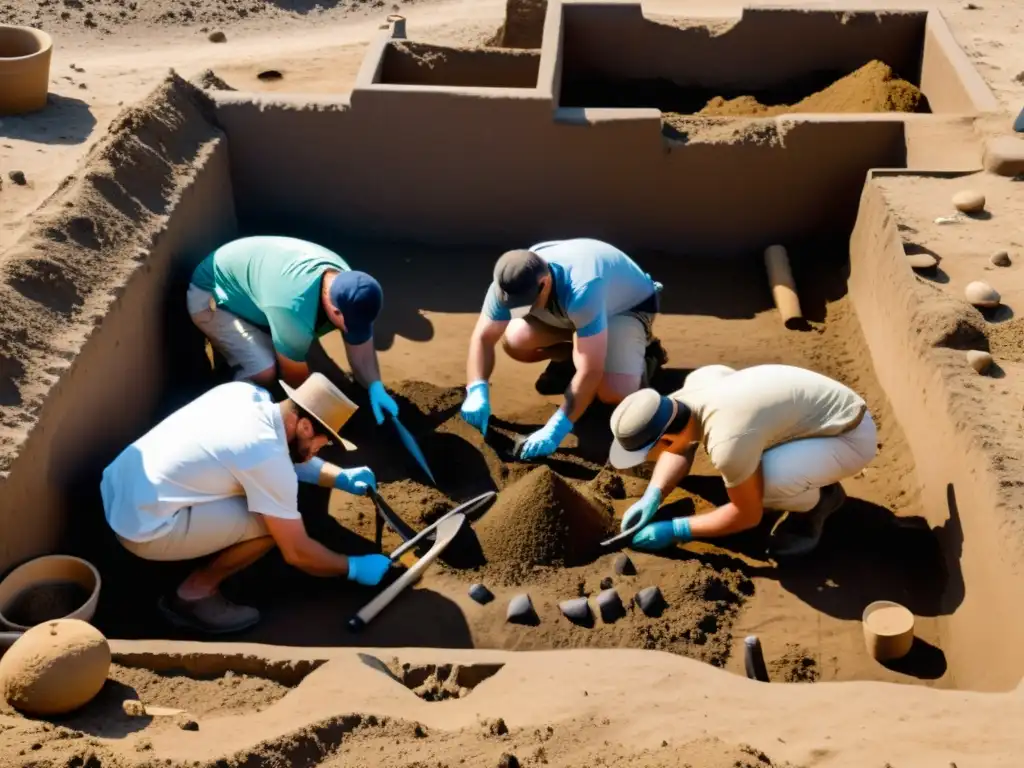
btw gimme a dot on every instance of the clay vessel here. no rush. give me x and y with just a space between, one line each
888 630
51 569
24 69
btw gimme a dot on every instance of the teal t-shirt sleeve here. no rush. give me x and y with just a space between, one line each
587 310
290 338
202 275
493 308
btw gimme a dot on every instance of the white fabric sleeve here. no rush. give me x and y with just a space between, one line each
272 488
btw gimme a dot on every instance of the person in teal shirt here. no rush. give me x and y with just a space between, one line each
261 301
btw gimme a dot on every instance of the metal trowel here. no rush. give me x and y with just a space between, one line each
412 447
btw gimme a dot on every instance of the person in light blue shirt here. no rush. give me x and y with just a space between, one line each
261 301
582 304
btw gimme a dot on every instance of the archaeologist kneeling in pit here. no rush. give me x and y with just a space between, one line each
584 305
262 300
782 437
220 477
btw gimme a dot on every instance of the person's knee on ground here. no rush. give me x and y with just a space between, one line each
525 342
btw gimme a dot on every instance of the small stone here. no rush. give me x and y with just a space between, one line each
481 594
520 610
497 727
651 601
610 605
969 6
508 761
187 724
1004 155
577 611
921 261
133 708
981 294
969 201
979 361
606 583
18 177
217 37
419 732
1000 259
624 566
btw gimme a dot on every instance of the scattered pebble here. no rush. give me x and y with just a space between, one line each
624 566
188 724
610 605
921 261
1000 259
969 201
968 6
496 727
577 611
520 610
979 361
508 761
217 37
606 583
481 594
18 177
981 294
651 601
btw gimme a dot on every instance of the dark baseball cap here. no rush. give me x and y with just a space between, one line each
517 275
638 422
359 298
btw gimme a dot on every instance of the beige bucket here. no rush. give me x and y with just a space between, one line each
24 69
888 630
51 569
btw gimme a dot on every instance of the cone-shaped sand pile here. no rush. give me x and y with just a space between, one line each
542 520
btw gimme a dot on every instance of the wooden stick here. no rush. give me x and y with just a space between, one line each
467 509
445 534
780 278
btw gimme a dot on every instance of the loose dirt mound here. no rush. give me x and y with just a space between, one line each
541 520
46 602
872 88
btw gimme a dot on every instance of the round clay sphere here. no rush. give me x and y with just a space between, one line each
55 668
969 201
981 294
978 360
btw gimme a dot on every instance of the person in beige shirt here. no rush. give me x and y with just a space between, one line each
782 438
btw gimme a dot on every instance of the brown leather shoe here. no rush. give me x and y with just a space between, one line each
214 615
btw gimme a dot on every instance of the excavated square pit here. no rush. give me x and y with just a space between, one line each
424 184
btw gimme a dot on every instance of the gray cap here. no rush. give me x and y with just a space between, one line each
638 422
517 275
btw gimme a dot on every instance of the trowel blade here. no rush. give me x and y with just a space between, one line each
413 447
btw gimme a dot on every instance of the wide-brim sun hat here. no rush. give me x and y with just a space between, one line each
637 423
318 397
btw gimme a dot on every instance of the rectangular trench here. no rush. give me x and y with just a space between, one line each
289 167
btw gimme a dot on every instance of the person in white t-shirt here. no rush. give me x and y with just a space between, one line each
220 477
782 438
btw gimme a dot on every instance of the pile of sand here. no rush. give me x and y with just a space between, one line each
541 520
872 88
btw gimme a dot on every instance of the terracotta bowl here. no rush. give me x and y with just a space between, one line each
24 69
888 630
51 569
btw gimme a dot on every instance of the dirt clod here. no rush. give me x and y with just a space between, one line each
18 177
217 37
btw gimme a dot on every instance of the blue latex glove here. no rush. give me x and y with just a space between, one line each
368 570
356 480
476 409
546 440
642 511
381 401
661 535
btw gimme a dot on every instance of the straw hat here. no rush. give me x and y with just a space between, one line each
324 402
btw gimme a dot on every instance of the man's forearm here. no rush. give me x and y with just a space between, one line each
363 360
581 392
480 362
671 469
724 521
315 559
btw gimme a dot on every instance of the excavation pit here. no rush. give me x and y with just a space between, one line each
98 285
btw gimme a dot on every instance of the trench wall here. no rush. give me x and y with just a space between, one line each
94 329
411 63
916 335
419 167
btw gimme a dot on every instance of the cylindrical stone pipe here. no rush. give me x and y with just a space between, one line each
780 278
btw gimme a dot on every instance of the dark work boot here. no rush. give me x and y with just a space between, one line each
214 615
655 358
556 377
802 530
